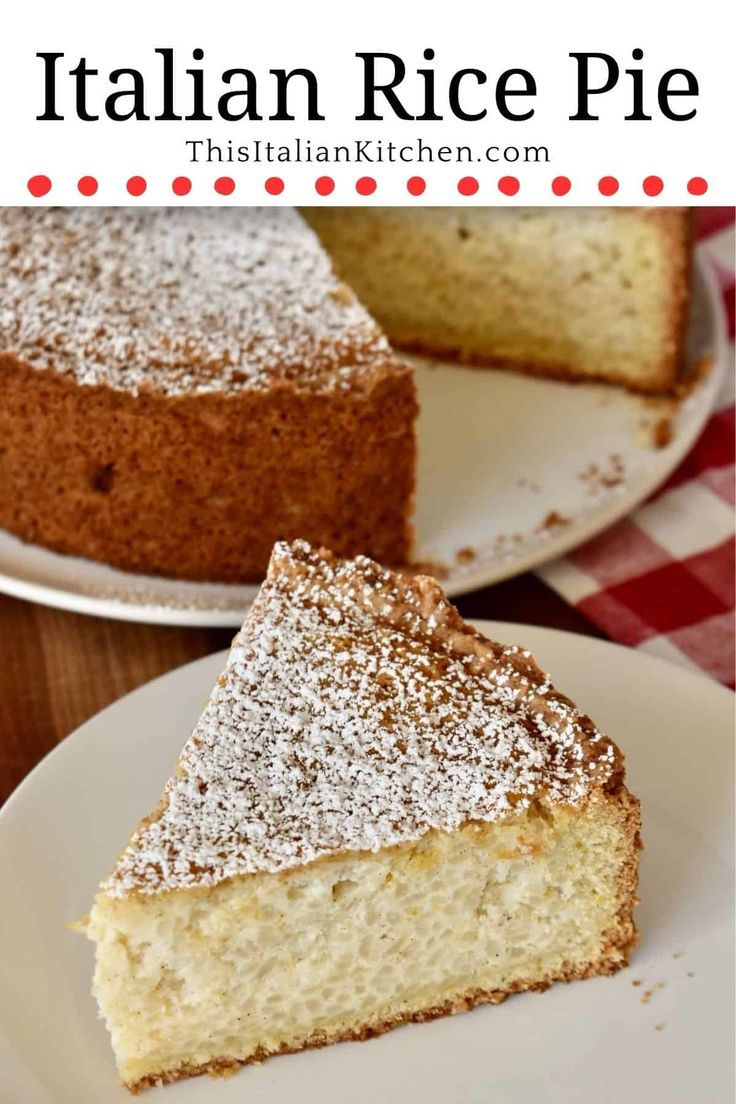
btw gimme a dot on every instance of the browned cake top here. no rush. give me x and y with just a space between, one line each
180 300
357 711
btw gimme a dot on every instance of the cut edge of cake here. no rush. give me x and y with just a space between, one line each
536 354
621 940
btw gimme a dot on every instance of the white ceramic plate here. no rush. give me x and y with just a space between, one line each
513 471
601 1040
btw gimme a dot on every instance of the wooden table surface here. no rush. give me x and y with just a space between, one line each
57 669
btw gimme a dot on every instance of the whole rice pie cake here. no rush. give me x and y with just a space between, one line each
381 816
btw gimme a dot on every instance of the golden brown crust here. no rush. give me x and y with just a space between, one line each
624 936
200 486
678 224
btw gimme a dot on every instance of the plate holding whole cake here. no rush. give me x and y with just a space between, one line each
380 817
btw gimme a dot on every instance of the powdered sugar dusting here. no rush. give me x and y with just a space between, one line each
179 300
357 711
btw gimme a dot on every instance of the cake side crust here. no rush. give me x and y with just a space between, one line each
678 233
200 486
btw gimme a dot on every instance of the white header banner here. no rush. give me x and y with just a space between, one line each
396 103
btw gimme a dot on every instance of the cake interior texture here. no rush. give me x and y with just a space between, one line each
574 292
349 947
381 816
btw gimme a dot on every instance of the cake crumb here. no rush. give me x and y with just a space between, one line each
659 1027
637 982
601 477
691 973
466 555
649 993
553 520
678 954
663 432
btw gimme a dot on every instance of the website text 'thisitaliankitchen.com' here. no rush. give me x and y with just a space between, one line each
366 151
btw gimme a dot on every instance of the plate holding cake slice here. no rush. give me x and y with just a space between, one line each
381 816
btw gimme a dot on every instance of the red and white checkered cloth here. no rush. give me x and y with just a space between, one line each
662 579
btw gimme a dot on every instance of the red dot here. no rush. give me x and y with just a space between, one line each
608 185
274 185
467 186
508 185
87 185
561 185
365 186
696 185
136 185
39 185
224 185
415 185
181 185
652 185
324 185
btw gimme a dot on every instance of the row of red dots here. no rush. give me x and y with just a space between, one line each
366 185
